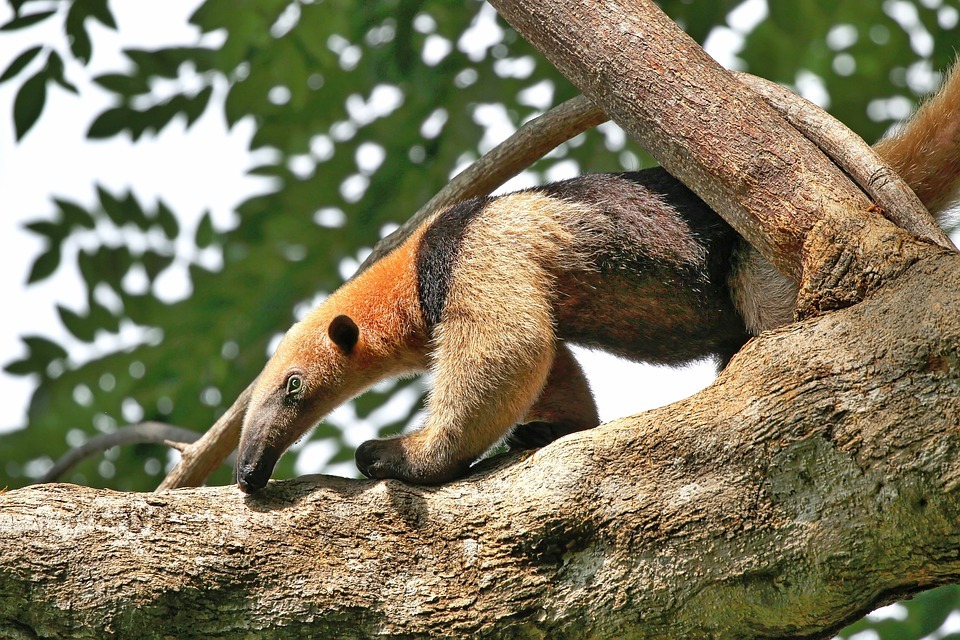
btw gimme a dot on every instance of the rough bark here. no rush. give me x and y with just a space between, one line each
816 479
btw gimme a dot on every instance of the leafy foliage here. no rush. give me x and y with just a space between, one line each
366 109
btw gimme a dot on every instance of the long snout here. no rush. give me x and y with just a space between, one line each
253 475
255 461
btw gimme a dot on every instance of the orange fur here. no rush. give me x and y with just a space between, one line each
392 341
926 150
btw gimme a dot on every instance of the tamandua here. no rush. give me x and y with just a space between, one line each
488 294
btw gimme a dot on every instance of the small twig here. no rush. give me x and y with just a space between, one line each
198 460
144 432
179 446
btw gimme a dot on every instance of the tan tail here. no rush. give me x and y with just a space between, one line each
925 151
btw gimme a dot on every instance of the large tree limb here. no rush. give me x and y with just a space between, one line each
815 479
869 170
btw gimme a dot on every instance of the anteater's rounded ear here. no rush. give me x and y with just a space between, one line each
344 333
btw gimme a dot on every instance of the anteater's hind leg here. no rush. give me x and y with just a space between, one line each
565 405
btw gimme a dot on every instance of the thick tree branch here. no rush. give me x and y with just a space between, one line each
871 172
848 150
702 125
786 499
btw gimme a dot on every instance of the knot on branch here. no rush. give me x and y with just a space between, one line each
846 258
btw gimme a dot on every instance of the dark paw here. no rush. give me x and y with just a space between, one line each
534 435
374 459
385 459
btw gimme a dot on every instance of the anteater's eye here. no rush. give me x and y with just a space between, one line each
294 385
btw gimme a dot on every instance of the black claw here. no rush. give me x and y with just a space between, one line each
534 435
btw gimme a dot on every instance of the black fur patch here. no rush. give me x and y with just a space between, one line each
437 255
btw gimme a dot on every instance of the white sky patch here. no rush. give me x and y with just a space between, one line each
384 100
724 43
330 217
538 96
615 138
483 34
424 23
176 165
842 36
811 87
747 16
948 17
353 187
301 165
515 67
370 156
905 14
435 49
321 147
562 170
433 125
496 123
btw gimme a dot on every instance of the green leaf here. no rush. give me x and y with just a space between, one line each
133 212
167 221
74 215
102 317
23 367
20 62
99 10
44 265
112 206
29 103
44 349
47 229
197 105
80 327
109 123
22 22
123 85
55 72
205 233
80 44
154 263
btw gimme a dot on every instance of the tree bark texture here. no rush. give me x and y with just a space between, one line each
817 478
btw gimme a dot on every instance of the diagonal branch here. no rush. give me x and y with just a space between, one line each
525 146
693 117
869 170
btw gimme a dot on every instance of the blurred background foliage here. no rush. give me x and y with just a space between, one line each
366 109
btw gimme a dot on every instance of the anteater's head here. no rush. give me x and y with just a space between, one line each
317 366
